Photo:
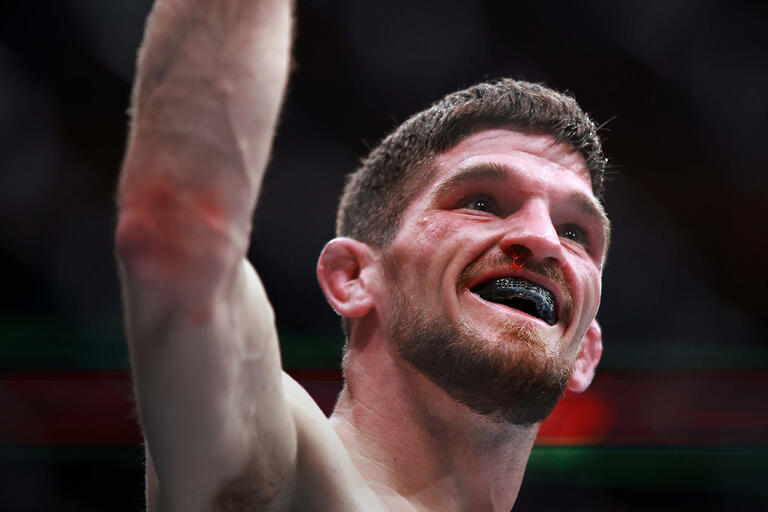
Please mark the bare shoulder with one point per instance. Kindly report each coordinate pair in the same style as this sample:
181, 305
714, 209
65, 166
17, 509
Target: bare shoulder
326, 478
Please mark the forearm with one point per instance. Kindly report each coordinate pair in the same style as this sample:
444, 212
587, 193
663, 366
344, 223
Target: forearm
210, 80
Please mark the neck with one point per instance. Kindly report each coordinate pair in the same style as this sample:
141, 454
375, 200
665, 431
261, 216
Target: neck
413, 442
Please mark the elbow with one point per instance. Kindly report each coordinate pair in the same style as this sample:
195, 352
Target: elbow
172, 250
169, 274
132, 238
143, 249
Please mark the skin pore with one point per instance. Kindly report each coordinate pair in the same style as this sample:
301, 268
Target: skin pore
411, 439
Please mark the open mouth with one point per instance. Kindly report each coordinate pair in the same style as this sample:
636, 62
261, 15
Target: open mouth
520, 294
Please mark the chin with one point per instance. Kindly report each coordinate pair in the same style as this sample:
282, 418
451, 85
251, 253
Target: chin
516, 382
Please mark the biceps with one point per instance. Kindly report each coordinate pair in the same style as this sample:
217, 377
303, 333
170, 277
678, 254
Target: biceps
210, 393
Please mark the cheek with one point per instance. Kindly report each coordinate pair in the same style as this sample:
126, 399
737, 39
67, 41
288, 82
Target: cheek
429, 238
588, 301
590, 290
434, 231
423, 251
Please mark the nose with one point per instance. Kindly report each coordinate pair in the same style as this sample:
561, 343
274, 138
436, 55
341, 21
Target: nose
530, 228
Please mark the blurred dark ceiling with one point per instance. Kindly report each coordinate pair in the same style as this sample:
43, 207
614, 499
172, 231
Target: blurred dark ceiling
683, 84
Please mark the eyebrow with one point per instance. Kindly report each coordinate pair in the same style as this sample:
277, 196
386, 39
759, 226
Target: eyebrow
497, 173
491, 172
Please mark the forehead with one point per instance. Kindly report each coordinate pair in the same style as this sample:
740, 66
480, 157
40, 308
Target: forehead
534, 156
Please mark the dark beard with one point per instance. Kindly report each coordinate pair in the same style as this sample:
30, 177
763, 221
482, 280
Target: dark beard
511, 379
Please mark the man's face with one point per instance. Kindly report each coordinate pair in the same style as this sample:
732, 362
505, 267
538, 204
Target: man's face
495, 272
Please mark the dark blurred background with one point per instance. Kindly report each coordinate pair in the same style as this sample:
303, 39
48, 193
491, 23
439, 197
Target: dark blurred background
681, 84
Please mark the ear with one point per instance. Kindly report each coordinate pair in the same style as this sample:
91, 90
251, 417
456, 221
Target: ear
589, 356
341, 271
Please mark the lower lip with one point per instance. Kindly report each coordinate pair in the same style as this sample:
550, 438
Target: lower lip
506, 310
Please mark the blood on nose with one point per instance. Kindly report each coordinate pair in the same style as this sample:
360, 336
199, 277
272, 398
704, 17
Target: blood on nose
518, 256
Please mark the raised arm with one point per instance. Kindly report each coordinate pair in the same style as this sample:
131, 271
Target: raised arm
204, 352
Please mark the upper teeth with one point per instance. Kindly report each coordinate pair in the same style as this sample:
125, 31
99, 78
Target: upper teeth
541, 300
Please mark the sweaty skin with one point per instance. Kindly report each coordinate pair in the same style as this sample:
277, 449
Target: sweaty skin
225, 427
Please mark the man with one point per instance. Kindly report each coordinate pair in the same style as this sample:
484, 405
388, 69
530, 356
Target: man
467, 271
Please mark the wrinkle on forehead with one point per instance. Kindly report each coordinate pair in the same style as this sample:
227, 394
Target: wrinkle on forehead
505, 141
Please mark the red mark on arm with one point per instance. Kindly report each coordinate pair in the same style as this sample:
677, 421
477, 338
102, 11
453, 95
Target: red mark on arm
172, 226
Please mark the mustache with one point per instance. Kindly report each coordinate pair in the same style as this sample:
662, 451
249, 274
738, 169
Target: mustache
547, 270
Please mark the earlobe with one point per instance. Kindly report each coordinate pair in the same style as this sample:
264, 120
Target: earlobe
589, 356
341, 271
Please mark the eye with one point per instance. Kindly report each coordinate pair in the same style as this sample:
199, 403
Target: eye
575, 233
479, 204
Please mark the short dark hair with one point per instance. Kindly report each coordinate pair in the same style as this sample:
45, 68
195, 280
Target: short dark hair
379, 191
